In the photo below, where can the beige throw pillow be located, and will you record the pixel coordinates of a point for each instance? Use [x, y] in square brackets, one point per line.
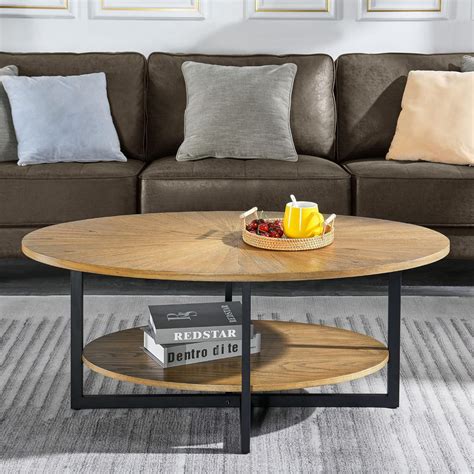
[437, 119]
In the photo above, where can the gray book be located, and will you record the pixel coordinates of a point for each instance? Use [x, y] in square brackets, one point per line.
[182, 323]
[174, 355]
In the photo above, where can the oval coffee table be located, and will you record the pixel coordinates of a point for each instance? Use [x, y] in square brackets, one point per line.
[207, 246]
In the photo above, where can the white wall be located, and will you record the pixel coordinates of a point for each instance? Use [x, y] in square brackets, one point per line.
[226, 29]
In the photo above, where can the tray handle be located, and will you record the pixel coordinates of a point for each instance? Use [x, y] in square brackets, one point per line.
[327, 223]
[248, 213]
[245, 214]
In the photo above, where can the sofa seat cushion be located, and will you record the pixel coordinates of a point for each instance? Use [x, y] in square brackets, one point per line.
[231, 184]
[52, 193]
[431, 194]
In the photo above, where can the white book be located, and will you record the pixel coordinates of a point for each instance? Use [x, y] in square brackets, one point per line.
[174, 355]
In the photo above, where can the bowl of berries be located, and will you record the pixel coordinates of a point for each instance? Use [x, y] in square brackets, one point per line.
[268, 233]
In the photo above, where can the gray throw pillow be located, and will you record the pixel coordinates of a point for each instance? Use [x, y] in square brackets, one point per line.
[238, 112]
[8, 145]
[62, 119]
[467, 64]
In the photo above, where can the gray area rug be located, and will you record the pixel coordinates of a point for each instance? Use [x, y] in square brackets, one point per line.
[430, 432]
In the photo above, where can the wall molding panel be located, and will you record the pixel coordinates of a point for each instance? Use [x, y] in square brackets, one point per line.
[390, 10]
[147, 9]
[291, 9]
[38, 8]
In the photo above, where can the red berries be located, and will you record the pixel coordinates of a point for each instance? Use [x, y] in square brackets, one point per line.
[267, 228]
[252, 226]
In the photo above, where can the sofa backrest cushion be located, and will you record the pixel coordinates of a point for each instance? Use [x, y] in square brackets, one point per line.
[369, 91]
[126, 75]
[313, 117]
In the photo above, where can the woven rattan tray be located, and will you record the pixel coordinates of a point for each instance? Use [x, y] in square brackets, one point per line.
[286, 244]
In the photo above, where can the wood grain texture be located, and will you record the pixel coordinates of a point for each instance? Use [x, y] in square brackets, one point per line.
[207, 246]
[294, 355]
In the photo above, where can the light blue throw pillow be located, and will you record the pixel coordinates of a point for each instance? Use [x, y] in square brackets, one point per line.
[62, 119]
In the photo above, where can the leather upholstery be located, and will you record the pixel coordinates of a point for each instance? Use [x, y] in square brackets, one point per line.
[312, 110]
[369, 90]
[48, 194]
[227, 184]
[125, 86]
[461, 241]
[10, 240]
[430, 194]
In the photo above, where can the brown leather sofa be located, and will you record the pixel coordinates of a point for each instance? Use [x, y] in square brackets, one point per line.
[345, 172]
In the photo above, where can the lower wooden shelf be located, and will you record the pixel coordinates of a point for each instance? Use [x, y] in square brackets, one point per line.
[293, 356]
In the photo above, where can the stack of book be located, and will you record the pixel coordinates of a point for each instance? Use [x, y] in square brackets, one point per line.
[191, 333]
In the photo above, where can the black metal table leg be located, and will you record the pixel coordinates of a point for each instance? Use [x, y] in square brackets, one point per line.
[77, 338]
[394, 306]
[245, 396]
[228, 291]
[245, 400]
[390, 399]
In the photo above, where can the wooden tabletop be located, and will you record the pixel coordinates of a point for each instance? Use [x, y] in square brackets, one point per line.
[207, 246]
[293, 356]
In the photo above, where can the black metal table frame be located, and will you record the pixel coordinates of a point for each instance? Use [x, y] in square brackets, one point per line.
[244, 400]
